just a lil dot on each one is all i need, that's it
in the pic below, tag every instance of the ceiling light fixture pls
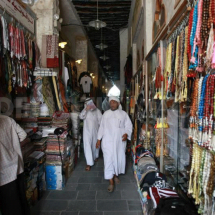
(97, 24)
(107, 67)
(56, 16)
(78, 61)
(101, 46)
(104, 57)
(62, 44)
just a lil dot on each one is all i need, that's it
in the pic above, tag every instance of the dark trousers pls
(13, 199)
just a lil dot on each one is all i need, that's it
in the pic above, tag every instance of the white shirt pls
(11, 161)
(85, 82)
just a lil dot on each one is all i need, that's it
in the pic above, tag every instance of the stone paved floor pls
(86, 194)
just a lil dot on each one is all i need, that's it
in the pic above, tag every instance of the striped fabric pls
(156, 194)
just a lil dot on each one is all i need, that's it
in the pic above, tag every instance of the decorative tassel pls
(193, 59)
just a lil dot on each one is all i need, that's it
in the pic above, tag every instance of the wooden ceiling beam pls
(103, 12)
(103, 6)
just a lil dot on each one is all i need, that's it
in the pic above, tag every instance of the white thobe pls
(92, 121)
(113, 126)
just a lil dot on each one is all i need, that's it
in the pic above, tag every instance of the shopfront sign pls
(19, 13)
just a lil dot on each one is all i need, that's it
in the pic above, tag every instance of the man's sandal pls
(110, 188)
(117, 181)
(87, 168)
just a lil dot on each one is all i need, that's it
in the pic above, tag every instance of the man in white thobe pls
(115, 129)
(92, 118)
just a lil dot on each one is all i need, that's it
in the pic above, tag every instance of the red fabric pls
(63, 93)
(158, 78)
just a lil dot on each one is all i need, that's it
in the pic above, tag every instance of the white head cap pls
(115, 98)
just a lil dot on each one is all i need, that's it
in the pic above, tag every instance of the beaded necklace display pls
(211, 112)
(200, 89)
(198, 28)
(172, 87)
(213, 128)
(213, 57)
(201, 109)
(182, 38)
(189, 32)
(195, 170)
(206, 112)
(209, 52)
(206, 172)
(211, 12)
(210, 184)
(193, 43)
(177, 57)
(205, 17)
(198, 40)
(168, 66)
(193, 111)
(185, 69)
(201, 172)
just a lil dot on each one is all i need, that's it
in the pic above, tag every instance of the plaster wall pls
(44, 11)
(81, 52)
(169, 6)
(123, 33)
(139, 43)
(148, 24)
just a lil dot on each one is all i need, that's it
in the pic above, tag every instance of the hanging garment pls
(22, 38)
(65, 76)
(11, 29)
(128, 70)
(63, 95)
(92, 120)
(17, 43)
(48, 95)
(56, 93)
(86, 82)
(82, 75)
(52, 51)
(5, 34)
(113, 126)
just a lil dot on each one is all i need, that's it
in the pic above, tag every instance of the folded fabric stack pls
(35, 177)
(70, 158)
(26, 109)
(153, 185)
(35, 109)
(60, 119)
(55, 146)
(40, 145)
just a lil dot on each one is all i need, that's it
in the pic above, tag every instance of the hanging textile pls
(51, 46)
(48, 95)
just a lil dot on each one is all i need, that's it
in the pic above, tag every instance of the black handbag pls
(174, 206)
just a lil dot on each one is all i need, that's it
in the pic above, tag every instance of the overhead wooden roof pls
(116, 14)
